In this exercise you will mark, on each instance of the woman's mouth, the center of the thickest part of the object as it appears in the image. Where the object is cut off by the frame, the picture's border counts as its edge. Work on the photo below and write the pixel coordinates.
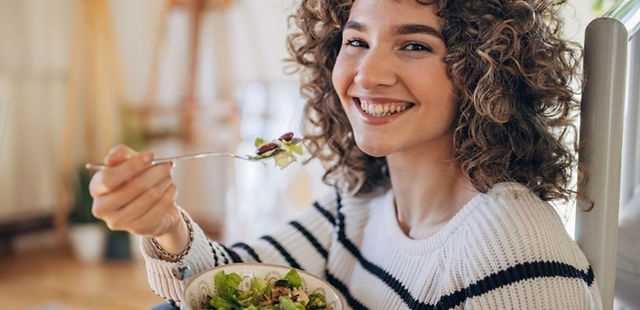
(380, 112)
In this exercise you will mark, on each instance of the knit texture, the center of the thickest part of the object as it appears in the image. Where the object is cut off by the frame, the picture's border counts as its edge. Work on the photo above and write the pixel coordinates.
(505, 249)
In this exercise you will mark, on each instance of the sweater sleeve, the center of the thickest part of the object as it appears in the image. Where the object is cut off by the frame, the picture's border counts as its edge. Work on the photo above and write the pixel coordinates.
(519, 256)
(302, 243)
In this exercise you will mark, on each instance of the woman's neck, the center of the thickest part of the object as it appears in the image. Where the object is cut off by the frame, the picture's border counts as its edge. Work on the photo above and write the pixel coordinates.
(428, 186)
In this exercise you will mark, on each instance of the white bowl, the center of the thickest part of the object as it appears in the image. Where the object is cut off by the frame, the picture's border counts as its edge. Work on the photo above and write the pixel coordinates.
(202, 285)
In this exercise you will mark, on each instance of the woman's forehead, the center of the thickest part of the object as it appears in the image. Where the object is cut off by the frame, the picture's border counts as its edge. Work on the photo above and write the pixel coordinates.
(394, 12)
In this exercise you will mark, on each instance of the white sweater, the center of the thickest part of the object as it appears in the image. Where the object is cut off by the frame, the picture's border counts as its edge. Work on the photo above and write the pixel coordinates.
(505, 249)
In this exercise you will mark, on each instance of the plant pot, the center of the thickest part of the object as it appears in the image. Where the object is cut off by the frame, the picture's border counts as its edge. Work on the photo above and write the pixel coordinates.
(118, 246)
(136, 248)
(88, 241)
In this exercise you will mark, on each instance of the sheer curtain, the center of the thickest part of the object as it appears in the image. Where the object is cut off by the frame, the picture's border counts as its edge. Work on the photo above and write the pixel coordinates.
(34, 70)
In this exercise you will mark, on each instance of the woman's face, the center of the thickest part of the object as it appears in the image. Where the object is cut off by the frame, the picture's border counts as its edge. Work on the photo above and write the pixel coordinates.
(391, 78)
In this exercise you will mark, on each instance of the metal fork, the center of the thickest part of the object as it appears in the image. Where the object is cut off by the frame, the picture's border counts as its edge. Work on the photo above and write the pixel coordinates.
(92, 166)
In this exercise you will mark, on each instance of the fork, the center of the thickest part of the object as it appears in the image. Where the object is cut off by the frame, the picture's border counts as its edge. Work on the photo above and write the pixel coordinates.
(92, 166)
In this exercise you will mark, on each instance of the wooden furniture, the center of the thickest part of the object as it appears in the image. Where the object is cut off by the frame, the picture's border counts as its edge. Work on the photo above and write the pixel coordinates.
(95, 89)
(189, 106)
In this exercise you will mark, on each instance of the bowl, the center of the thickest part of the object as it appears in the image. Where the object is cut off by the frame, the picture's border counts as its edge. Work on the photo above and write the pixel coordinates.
(202, 285)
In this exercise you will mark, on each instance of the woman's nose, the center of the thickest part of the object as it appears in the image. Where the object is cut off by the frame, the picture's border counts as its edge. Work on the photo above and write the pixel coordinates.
(375, 70)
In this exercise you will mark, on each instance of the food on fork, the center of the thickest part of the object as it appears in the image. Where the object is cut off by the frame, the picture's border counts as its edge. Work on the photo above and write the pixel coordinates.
(283, 150)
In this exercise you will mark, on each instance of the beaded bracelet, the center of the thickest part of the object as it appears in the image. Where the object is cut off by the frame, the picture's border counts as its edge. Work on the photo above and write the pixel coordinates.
(174, 258)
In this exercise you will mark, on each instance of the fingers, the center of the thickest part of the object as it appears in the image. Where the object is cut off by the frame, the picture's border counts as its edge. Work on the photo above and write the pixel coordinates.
(113, 177)
(133, 195)
(118, 154)
(104, 206)
(159, 218)
(124, 217)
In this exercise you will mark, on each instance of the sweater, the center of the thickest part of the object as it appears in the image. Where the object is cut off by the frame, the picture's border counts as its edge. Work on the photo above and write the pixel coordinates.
(504, 249)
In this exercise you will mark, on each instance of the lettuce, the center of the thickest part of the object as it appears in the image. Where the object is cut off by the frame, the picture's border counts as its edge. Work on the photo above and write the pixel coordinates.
(287, 304)
(261, 293)
(227, 284)
(294, 278)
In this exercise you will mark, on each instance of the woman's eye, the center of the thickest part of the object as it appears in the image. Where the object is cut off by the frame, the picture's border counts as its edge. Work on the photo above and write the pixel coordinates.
(417, 47)
(356, 43)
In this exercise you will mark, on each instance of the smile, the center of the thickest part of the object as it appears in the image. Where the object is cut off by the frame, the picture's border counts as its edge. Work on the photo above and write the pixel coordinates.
(381, 111)
(376, 108)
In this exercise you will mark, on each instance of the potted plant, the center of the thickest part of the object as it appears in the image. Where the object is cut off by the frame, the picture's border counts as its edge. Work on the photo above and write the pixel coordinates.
(87, 233)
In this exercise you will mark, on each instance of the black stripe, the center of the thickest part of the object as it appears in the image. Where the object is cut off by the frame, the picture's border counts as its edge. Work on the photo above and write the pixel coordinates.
(290, 260)
(519, 272)
(234, 256)
(325, 213)
(215, 255)
(313, 240)
(344, 290)
(225, 256)
(249, 250)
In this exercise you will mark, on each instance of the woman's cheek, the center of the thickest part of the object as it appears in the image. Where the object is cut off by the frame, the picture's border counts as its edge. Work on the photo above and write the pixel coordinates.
(342, 74)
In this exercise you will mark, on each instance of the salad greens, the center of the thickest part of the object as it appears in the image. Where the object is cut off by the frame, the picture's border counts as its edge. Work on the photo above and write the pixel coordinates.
(283, 150)
(285, 293)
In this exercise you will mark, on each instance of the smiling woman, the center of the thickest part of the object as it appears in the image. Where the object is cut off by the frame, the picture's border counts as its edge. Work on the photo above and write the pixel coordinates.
(505, 62)
(442, 125)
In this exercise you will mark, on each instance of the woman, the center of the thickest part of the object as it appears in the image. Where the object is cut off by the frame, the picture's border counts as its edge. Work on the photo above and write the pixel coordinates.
(442, 124)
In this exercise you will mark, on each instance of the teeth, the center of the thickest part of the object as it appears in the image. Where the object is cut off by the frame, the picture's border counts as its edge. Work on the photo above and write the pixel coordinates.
(380, 110)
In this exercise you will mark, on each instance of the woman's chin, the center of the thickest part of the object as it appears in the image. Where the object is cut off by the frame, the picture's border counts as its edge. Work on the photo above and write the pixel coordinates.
(374, 149)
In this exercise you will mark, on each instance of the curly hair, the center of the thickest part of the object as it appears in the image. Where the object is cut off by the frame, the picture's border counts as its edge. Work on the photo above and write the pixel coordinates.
(512, 74)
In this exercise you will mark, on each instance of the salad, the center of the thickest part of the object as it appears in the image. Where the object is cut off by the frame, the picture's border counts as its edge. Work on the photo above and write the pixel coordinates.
(272, 293)
(283, 150)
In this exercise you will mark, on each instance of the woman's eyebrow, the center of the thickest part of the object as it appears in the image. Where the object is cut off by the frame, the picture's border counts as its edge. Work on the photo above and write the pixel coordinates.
(400, 29)
(418, 28)
(352, 24)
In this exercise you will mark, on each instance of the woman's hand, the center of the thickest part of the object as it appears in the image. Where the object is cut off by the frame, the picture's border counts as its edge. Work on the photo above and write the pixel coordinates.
(132, 195)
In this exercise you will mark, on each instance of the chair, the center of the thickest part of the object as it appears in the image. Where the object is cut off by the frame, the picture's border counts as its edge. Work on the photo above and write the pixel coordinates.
(608, 134)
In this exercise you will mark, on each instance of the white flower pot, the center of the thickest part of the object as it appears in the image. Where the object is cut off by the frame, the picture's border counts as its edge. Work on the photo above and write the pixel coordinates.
(136, 247)
(88, 241)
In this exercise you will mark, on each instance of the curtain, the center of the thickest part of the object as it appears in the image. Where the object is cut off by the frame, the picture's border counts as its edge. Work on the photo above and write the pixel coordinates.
(34, 70)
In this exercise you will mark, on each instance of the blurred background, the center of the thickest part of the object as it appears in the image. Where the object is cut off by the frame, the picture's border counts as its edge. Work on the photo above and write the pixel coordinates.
(171, 76)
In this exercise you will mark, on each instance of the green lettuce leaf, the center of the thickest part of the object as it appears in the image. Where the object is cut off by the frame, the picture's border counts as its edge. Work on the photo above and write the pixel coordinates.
(294, 278)
(317, 301)
(227, 284)
(287, 304)
(295, 148)
(259, 286)
(283, 159)
(223, 304)
(259, 141)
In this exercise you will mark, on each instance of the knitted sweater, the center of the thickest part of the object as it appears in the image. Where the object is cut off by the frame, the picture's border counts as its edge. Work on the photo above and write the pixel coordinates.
(505, 249)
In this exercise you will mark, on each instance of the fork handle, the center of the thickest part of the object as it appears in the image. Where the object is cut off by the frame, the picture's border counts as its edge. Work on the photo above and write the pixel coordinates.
(97, 167)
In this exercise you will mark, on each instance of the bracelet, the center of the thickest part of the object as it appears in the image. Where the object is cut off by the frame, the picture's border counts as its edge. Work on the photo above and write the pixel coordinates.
(174, 258)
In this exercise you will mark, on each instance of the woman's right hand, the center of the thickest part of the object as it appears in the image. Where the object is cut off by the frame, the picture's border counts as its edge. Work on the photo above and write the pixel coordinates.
(133, 195)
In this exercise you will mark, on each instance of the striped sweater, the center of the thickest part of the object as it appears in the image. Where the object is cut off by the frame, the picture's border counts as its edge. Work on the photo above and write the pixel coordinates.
(505, 249)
